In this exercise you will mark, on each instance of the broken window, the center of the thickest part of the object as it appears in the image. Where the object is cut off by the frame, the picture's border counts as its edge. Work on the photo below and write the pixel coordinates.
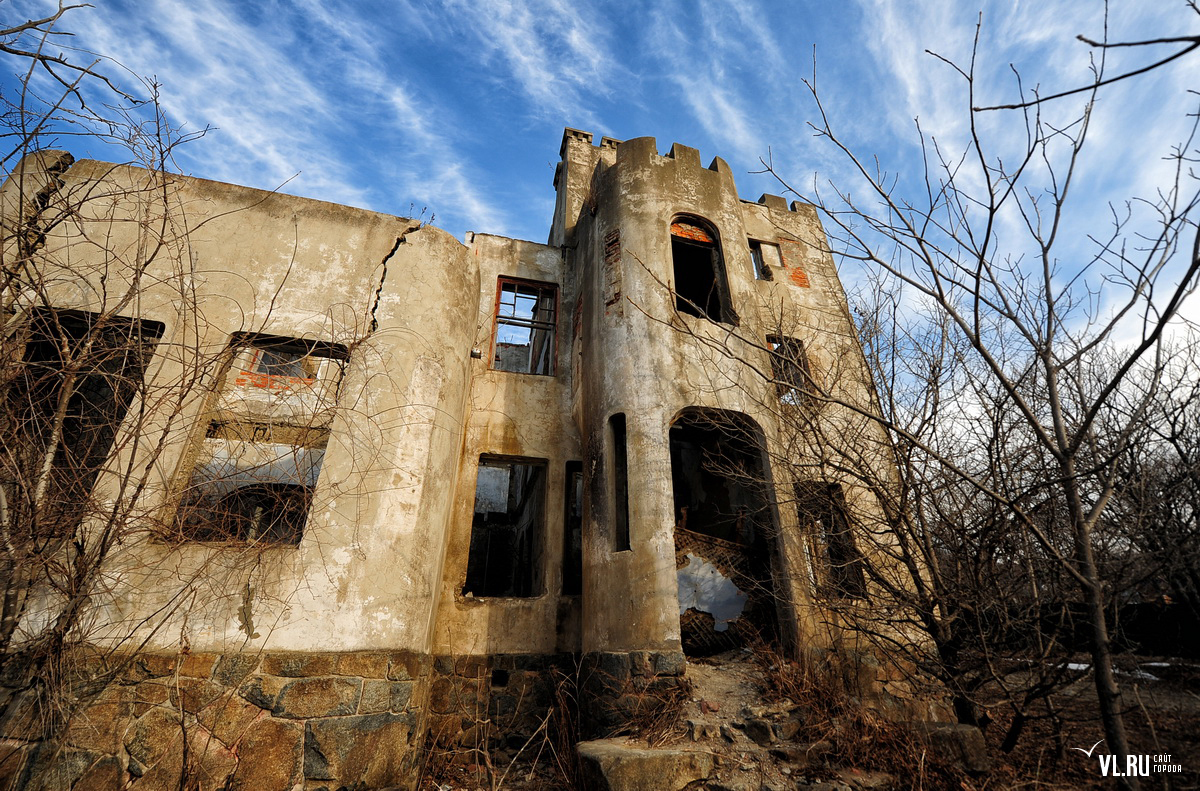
(257, 466)
(764, 255)
(572, 565)
(506, 530)
(791, 371)
(525, 327)
(616, 425)
(723, 524)
(66, 400)
(838, 565)
(700, 285)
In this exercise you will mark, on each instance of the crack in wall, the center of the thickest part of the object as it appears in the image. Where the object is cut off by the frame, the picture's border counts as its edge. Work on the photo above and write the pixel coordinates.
(401, 239)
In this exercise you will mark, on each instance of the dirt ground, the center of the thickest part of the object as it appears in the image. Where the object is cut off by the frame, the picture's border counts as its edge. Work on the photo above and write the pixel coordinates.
(1163, 719)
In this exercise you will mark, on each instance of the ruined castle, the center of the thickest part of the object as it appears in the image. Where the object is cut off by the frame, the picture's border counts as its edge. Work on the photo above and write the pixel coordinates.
(391, 485)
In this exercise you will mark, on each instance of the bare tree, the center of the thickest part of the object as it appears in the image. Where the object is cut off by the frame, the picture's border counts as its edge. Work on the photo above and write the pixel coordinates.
(1025, 335)
(96, 401)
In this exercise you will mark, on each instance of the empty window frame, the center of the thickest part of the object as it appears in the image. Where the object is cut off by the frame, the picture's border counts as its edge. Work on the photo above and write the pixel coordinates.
(506, 530)
(572, 562)
(526, 316)
(838, 565)
(764, 255)
(791, 371)
(701, 288)
(620, 466)
(66, 399)
(257, 465)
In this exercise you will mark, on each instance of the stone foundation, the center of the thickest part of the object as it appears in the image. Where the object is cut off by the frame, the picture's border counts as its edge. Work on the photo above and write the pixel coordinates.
(260, 722)
(500, 701)
(618, 688)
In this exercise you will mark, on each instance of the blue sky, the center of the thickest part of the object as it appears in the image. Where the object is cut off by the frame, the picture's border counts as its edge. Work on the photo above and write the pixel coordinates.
(459, 105)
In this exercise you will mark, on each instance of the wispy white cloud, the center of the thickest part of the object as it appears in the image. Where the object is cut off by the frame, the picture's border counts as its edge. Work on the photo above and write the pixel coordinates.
(553, 52)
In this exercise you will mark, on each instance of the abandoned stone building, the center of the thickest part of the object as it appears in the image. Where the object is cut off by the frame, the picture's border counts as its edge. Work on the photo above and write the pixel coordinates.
(378, 486)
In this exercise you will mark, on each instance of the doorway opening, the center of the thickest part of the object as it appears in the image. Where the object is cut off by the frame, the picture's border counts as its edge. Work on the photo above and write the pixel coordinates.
(725, 530)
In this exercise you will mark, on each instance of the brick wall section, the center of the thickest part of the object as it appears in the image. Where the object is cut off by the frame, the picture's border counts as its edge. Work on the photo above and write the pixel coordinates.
(259, 722)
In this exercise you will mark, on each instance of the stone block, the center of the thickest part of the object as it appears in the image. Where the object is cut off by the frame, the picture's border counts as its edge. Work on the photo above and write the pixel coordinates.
(786, 730)
(365, 751)
(963, 745)
(23, 719)
(376, 696)
(199, 665)
(151, 735)
(99, 727)
(502, 705)
(450, 695)
(54, 769)
(229, 716)
(232, 669)
(272, 757)
(531, 662)
(407, 666)
(670, 663)
(641, 663)
(760, 731)
(262, 691)
(325, 696)
(193, 694)
(364, 664)
(614, 665)
(298, 665)
(209, 765)
(104, 775)
(156, 665)
(401, 695)
(149, 694)
(612, 765)
(471, 666)
(443, 665)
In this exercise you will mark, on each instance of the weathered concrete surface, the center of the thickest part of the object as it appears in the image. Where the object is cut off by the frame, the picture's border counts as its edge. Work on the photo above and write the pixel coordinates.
(613, 765)
(382, 560)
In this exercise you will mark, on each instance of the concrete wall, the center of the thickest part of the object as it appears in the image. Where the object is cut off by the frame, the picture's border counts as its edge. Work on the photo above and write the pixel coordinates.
(401, 297)
(382, 561)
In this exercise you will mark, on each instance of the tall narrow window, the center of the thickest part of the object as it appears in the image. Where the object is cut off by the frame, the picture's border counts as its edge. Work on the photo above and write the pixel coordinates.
(620, 458)
(823, 517)
(64, 404)
(791, 371)
(526, 313)
(258, 463)
(700, 285)
(506, 530)
(572, 563)
(764, 255)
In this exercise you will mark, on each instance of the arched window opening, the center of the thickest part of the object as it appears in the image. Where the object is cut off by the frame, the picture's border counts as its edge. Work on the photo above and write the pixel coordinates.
(700, 285)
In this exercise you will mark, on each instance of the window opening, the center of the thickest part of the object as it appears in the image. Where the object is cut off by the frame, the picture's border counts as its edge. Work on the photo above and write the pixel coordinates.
(700, 286)
(525, 327)
(616, 425)
(572, 564)
(103, 361)
(764, 255)
(506, 530)
(824, 518)
(791, 371)
(257, 466)
(723, 531)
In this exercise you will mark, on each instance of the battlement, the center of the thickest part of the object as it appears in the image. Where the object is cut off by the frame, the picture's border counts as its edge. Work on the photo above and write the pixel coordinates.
(646, 148)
